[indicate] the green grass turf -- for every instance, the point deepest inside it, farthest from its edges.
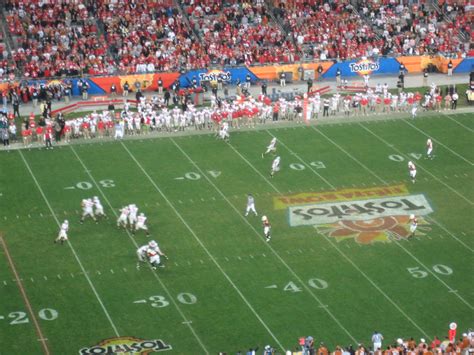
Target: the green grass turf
(214, 295)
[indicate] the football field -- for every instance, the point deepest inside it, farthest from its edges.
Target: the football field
(340, 263)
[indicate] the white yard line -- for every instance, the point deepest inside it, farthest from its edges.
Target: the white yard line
(395, 241)
(170, 297)
(425, 170)
(342, 253)
(459, 123)
(438, 142)
(76, 256)
(303, 284)
(181, 218)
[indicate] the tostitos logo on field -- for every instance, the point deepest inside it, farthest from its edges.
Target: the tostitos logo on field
(214, 76)
(369, 215)
(364, 66)
(126, 345)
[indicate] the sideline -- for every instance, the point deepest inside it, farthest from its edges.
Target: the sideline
(339, 119)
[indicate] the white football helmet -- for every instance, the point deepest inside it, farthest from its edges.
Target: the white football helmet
(66, 221)
(412, 216)
(264, 218)
(152, 244)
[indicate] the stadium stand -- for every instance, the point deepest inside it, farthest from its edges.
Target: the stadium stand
(55, 38)
(147, 36)
(415, 29)
(323, 30)
(58, 38)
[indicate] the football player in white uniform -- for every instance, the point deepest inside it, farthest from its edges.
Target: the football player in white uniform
(429, 148)
(141, 224)
(123, 218)
(266, 228)
(275, 166)
(62, 236)
(413, 110)
(271, 147)
(250, 205)
(142, 254)
(87, 210)
(412, 171)
(99, 209)
(132, 216)
(413, 225)
(154, 253)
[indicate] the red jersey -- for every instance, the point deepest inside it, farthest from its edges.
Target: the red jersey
(26, 132)
(39, 130)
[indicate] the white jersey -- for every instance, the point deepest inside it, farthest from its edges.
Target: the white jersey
(153, 255)
(141, 220)
(142, 252)
(124, 212)
(132, 217)
(272, 143)
(412, 170)
(62, 236)
(99, 209)
(276, 164)
(429, 146)
(250, 201)
(87, 204)
(64, 227)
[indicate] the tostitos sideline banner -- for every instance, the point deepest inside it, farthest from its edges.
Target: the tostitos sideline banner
(257, 74)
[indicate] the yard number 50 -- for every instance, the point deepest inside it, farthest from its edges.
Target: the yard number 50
(438, 268)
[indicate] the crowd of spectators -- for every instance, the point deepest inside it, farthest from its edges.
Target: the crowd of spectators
(55, 38)
(324, 30)
(240, 32)
(417, 29)
(308, 346)
(68, 38)
(146, 36)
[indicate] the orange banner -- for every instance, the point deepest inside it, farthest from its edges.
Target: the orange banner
(273, 72)
(416, 64)
(149, 82)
